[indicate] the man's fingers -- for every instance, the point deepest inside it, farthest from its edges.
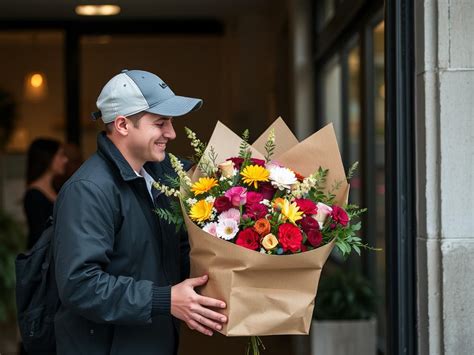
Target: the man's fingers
(206, 312)
(210, 302)
(198, 281)
(192, 324)
(205, 321)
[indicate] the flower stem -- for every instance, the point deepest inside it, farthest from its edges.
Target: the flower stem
(254, 345)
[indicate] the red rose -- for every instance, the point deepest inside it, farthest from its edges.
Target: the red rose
(307, 206)
(267, 190)
(237, 162)
(256, 211)
(248, 238)
(290, 237)
(256, 161)
(340, 216)
(315, 237)
(254, 198)
(307, 223)
(222, 204)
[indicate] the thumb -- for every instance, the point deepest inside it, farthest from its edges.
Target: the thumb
(198, 281)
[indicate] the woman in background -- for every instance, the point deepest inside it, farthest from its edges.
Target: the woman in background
(45, 161)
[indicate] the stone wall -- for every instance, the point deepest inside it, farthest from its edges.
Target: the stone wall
(445, 151)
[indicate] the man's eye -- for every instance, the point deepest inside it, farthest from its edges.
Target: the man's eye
(160, 124)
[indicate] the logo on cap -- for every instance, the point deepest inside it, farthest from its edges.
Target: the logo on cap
(163, 85)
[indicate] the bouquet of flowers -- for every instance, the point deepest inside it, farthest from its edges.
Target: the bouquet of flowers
(283, 211)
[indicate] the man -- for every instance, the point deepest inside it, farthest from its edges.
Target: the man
(119, 269)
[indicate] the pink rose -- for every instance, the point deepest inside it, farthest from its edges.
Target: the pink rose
(323, 212)
(237, 195)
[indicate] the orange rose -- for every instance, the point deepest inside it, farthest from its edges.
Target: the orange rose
(278, 203)
(262, 226)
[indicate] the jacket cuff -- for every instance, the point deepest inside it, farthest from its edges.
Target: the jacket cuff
(161, 300)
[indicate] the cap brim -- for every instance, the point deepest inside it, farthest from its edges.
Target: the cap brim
(176, 106)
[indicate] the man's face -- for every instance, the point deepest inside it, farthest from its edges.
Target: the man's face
(147, 141)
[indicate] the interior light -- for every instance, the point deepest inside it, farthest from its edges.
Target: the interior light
(36, 80)
(97, 10)
(36, 86)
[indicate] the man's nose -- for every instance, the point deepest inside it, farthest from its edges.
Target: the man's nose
(169, 131)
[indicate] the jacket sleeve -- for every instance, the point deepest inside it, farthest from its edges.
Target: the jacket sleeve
(83, 241)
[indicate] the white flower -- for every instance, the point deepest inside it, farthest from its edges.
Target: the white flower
(282, 178)
(210, 228)
(266, 202)
(191, 201)
(232, 213)
(227, 229)
(210, 199)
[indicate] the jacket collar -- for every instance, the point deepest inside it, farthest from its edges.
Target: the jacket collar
(107, 149)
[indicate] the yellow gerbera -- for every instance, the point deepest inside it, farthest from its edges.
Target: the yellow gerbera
(291, 211)
(201, 211)
(203, 185)
(253, 174)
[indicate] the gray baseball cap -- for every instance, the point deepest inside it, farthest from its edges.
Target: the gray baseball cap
(133, 91)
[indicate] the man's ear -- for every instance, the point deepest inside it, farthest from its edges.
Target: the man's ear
(121, 125)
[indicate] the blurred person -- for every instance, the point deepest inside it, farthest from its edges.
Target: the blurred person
(122, 273)
(45, 161)
(74, 161)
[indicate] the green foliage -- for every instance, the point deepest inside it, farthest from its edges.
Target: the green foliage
(173, 215)
(12, 242)
(344, 296)
(352, 170)
(244, 149)
(208, 164)
(317, 193)
(172, 181)
(270, 146)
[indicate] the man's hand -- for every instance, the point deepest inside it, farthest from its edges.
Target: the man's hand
(192, 308)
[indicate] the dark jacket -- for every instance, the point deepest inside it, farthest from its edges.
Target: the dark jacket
(115, 260)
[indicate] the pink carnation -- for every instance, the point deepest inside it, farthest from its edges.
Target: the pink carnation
(232, 213)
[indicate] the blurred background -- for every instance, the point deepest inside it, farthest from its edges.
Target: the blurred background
(310, 62)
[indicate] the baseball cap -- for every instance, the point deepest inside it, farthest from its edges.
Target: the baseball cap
(133, 91)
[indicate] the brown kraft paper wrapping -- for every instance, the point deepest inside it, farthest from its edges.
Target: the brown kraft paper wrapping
(267, 294)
